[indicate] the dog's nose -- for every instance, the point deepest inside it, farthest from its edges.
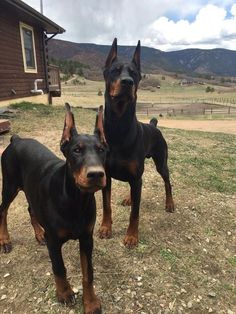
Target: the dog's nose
(128, 81)
(95, 174)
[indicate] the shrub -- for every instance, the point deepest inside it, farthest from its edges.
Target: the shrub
(210, 89)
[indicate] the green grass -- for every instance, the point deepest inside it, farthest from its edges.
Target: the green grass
(211, 167)
(29, 106)
(168, 255)
(232, 261)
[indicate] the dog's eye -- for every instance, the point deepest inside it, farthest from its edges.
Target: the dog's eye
(100, 149)
(132, 72)
(117, 69)
(77, 150)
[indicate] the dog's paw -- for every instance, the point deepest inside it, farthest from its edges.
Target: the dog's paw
(126, 201)
(93, 307)
(131, 241)
(40, 238)
(5, 247)
(105, 232)
(170, 207)
(67, 297)
(5, 243)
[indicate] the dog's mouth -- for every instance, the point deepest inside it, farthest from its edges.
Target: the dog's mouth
(124, 92)
(90, 189)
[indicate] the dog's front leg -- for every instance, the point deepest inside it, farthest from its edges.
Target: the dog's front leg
(105, 230)
(63, 289)
(91, 303)
(131, 238)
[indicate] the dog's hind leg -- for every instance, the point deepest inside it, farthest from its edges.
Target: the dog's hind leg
(38, 229)
(160, 161)
(5, 243)
(9, 192)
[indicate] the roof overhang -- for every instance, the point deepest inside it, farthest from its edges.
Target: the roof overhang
(49, 26)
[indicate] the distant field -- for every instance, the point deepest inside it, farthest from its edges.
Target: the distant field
(171, 95)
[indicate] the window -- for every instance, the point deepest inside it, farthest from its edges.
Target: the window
(28, 48)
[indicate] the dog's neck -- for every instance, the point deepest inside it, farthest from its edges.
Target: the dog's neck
(71, 201)
(120, 128)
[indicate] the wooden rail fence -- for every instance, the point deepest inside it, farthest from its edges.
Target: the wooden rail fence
(186, 111)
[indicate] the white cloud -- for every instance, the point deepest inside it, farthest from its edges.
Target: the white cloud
(166, 25)
(211, 28)
(233, 10)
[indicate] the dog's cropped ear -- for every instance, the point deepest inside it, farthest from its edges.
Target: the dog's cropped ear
(136, 57)
(69, 126)
(99, 130)
(112, 54)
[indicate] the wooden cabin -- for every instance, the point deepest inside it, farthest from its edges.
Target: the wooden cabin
(25, 73)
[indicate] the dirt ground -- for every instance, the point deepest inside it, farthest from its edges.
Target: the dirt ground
(185, 261)
(222, 126)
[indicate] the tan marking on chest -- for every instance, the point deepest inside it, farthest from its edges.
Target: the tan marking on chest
(131, 166)
(63, 233)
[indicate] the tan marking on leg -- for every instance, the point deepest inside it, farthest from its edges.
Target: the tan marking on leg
(90, 301)
(63, 291)
(5, 243)
(105, 230)
(170, 206)
(131, 238)
(38, 229)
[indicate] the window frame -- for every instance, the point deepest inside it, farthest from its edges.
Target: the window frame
(26, 68)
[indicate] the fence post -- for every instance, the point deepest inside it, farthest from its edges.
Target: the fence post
(229, 110)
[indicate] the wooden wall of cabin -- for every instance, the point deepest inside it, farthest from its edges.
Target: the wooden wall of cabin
(12, 75)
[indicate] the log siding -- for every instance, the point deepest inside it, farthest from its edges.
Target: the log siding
(14, 81)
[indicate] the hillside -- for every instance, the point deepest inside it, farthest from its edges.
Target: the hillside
(220, 62)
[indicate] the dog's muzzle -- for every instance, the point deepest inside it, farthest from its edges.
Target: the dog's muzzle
(90, 179)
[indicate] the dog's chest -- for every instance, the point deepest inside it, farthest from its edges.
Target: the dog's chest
(70, 230)
(123, 168)
(69, 233)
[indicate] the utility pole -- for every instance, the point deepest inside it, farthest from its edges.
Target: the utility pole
(41, 6)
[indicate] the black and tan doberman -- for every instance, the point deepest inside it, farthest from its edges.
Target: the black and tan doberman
(61, 199)
(129, 141)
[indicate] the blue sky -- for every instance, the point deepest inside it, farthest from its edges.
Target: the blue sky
(165, 25)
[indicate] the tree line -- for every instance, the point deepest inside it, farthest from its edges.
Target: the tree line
(69, 67)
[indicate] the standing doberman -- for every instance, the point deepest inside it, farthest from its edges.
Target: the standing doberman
(60, 196)
(129, 141)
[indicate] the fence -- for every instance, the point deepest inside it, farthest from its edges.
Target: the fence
(156, 110)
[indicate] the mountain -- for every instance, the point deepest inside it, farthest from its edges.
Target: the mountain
(220, 62)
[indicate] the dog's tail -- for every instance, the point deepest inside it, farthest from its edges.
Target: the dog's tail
(14, 137)
(153, 122)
